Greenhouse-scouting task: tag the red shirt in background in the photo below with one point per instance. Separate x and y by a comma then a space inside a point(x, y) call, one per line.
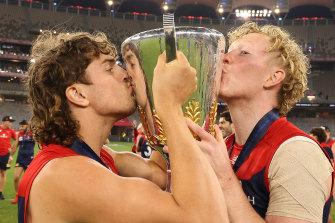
point(5, 138)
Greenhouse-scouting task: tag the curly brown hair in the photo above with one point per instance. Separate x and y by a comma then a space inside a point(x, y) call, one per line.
point(59, 61)
point(294, 61)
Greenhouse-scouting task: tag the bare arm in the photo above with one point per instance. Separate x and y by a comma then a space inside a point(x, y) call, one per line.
point(239, 207)
point(14, 146)
point(98, 195)
point(131, 165)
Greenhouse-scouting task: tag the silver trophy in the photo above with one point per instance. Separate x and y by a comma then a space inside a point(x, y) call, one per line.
point(202, 46)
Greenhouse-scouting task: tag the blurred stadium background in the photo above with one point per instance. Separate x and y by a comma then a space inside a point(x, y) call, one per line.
point(311, 22)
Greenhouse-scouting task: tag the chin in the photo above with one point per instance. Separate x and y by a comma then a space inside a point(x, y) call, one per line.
point(132, 108)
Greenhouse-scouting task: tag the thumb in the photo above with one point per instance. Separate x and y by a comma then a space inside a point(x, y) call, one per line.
point(166, 149)
point(203, 135)
point(161, 61)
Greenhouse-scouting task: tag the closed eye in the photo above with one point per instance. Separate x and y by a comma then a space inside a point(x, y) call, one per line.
point(110, 68)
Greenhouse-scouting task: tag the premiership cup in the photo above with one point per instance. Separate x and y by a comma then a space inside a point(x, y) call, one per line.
point(203, 48)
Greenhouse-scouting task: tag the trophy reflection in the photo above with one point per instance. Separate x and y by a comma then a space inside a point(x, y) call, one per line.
point(203, 48)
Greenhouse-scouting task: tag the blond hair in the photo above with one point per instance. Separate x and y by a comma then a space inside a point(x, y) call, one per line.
point(294, 61)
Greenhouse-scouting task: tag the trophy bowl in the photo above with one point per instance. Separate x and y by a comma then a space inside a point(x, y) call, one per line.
point(203, 47)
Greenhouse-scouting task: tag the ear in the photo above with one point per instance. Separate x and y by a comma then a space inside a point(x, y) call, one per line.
point(275, 78)
point(75, 94)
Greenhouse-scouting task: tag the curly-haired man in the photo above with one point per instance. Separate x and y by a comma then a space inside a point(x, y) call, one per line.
point(273, 172)
point(77, 93)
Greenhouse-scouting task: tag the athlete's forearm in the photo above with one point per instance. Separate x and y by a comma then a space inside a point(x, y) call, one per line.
point(189, 168)
point(14, 147)
point(158, 160)
point(238, 204)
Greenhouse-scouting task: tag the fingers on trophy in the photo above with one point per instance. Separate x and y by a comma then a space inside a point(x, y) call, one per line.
point(194, 73)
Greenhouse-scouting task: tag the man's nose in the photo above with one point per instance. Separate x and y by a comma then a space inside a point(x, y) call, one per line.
point(226, 58)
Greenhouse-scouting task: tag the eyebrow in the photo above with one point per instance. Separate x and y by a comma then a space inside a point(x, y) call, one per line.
point(112, 61)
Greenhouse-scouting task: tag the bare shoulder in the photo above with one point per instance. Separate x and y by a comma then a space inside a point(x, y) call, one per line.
point(65, 183)
point(79, 189)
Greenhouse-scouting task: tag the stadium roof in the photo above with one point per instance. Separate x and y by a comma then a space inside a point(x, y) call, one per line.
point(206, 8)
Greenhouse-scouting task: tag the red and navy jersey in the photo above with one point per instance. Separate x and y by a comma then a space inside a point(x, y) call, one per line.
point(146, 150)
point(47, 154)
point(329, 143)
point(5, 137)
point(253, 173)
point(328, 150)
point(26, 144)
point(135, 140)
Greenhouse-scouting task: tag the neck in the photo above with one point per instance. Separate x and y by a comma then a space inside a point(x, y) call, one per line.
point(94, 129)
point(245, 116)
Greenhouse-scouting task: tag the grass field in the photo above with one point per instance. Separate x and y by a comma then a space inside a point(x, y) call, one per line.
point(8, 211)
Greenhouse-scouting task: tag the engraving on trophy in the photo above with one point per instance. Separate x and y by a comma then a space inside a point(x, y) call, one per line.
point(161, 136)
point(193, 112)
point(212, 117)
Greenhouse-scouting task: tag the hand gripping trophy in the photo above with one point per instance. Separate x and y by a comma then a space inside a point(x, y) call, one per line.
point(202, 46)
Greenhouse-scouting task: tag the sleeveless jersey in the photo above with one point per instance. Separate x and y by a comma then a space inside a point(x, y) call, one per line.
point(253, 173)
point(26, 144)
point(47, 154)
point(328, 150)
point(5, 137)
point(329, 143)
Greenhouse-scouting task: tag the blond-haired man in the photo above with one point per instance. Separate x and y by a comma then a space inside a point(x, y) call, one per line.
point(273, 172)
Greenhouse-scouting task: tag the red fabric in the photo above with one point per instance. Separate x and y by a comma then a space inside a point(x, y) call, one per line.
point(47, 154)
point(330, 143)
point(135, 140)
point(261, 156)
point(235, 153)
point(123, 122)
point(5, 138)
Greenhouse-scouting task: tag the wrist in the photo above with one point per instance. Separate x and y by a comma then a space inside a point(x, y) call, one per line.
point(228, 179)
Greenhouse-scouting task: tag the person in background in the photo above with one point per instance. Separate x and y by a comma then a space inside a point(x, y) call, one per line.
point(142, 145)
point(225, 124)
point(133, 149)
point(25, 154)
point(320, 135)
point(6, 134)
point(329, 141)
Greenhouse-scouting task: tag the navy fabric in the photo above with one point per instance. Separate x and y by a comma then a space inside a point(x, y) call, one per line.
point(24, 161)
point(145, 148)
point(256, 135)
point(26, 144)
point(20, 203)
point(26, 150)
point(329, 152)
point(4, 161)
point(82, 148)
point(257, 193)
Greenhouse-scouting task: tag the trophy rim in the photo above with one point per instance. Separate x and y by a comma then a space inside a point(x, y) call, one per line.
point(180, 31)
